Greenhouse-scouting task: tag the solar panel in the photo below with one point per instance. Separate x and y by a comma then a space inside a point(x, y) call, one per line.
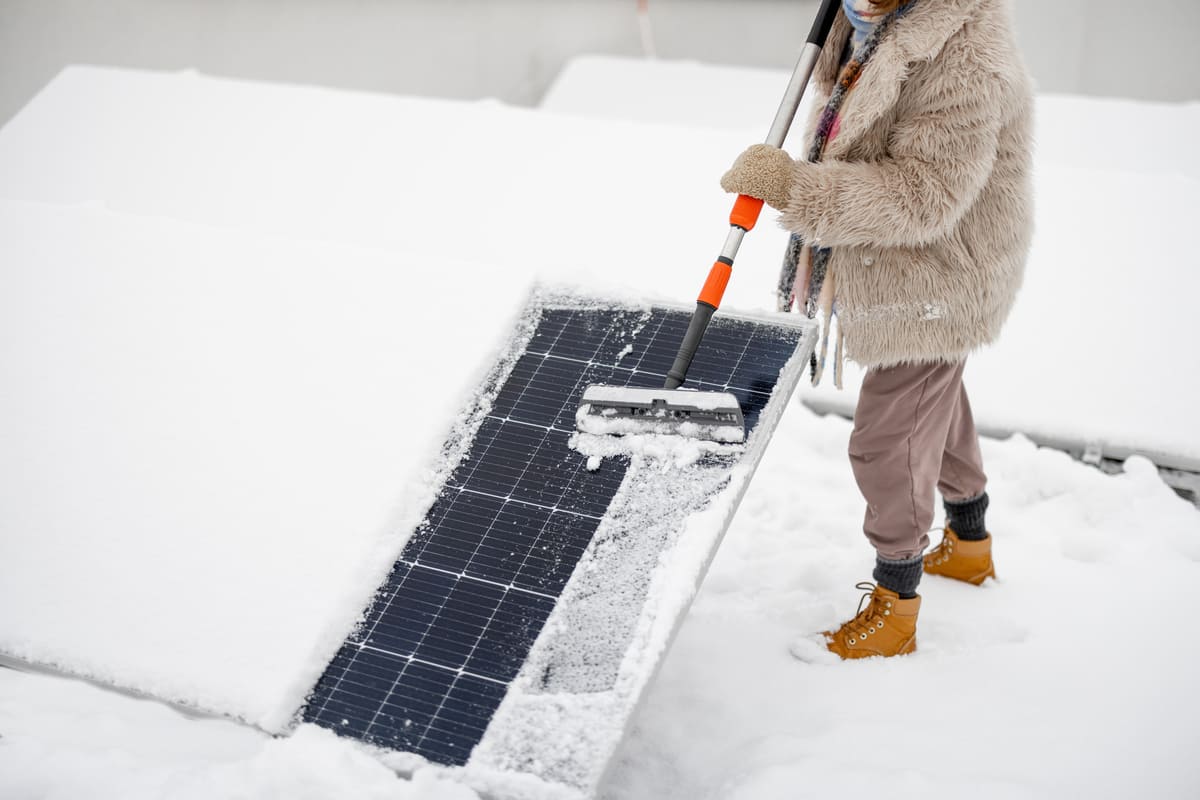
point(455, 622)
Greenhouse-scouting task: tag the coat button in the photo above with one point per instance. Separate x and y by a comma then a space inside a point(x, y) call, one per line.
point(868, 261)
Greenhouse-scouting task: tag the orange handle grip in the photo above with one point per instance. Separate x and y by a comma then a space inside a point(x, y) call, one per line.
point(745, 212)
point(714, 287)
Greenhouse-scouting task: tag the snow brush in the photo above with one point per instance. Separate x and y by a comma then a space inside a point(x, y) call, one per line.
point(714, 416)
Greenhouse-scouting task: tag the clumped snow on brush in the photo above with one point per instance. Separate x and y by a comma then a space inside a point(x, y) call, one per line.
point(666, 450)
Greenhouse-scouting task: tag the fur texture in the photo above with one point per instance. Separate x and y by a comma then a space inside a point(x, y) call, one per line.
point(924, 196)
point(764, 172)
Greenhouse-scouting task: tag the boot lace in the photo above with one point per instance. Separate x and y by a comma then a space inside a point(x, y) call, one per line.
point(867, 621)
point(943, 552)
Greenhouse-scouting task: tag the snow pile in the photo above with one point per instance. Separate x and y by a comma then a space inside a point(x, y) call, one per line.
point(1072, 673)
point(62, 738)
point(236, 322)
point(1053, 680)
point(212, 450)
point(229, 361)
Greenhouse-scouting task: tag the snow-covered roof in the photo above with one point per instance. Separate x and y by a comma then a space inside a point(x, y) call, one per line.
point(214, 298)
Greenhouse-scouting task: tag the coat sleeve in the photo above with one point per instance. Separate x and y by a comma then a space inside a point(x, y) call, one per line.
point(940, 157)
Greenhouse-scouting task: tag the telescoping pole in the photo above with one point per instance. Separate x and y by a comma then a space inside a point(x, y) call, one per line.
point(747, 209)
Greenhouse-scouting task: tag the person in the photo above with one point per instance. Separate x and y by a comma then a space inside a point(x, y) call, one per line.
point(914, 207)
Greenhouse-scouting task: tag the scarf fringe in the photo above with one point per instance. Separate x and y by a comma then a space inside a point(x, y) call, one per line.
point(806, 275)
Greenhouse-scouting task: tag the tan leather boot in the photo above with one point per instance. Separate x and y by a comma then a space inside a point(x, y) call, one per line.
point(962, 561)
point(886, 627)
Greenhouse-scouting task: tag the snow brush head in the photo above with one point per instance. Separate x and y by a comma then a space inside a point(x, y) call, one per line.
point(622, 410)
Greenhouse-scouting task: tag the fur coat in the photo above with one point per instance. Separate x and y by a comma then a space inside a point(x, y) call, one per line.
point(924, 196)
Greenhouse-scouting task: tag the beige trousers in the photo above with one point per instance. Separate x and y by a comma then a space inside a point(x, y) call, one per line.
point(913, 432)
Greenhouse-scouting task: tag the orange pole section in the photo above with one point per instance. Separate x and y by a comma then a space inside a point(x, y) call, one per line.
point(714, 287)
point(745, 212)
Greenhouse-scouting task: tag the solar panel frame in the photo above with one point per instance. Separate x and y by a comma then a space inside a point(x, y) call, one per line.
point(532, 339)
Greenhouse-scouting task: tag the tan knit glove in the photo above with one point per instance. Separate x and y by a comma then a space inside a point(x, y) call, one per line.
point(764, 172)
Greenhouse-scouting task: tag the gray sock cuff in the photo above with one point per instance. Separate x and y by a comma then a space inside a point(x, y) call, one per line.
point(966, 517)
point(900, 577)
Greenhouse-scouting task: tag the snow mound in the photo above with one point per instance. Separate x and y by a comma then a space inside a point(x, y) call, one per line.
point(1048, 673)
point(228, 363)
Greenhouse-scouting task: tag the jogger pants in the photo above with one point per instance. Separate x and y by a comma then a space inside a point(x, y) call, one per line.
point(913, 432)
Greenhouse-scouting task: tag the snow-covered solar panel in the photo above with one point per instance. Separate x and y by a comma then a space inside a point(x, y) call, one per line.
point(501, 547)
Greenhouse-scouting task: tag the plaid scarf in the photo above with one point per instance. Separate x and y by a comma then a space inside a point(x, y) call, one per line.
point(813, 282)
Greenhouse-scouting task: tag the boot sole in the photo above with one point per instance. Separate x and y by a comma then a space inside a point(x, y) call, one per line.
point(974, 580)
point(908, 648)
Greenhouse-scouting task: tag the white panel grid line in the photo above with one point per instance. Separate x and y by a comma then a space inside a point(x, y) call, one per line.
point(482, 539)
point(530, 503)
point(392, 598)
point(511, 421)
point(477, 579)
point(402, 673)
point(471, 558)
point(466, 660)
point(350, 682)
point(543, 440)
point(556, 509)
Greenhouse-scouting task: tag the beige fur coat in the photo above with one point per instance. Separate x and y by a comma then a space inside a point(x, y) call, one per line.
point(924, 195)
